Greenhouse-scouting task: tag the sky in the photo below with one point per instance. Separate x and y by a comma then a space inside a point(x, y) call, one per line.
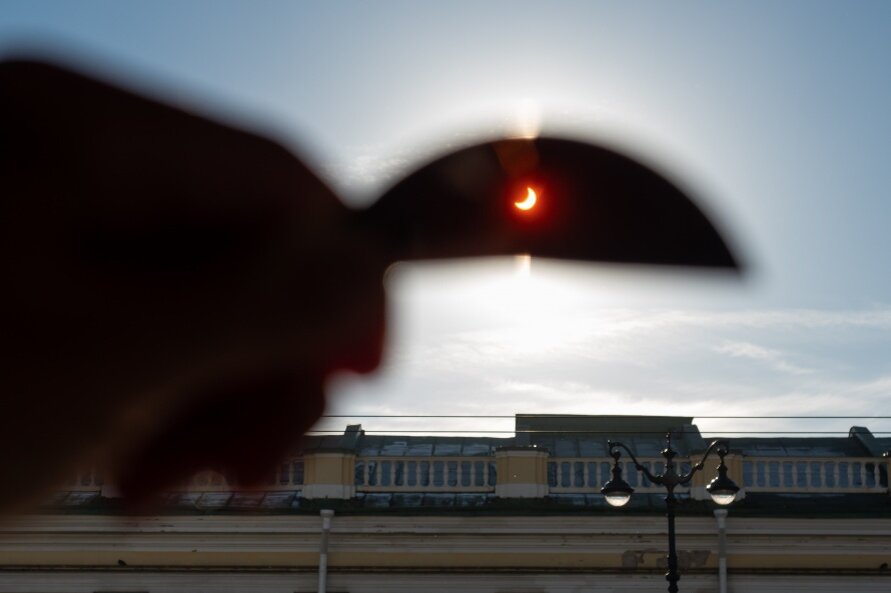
point(776, 114)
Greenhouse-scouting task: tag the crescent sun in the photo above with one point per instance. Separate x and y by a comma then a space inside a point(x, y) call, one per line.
point(530, 200)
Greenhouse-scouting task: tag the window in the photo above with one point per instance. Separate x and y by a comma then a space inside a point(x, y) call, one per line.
point(631, 474)
point(565, 481)
point(773, 472)
point(297, 475)
point(829, 474)
point(816, 474)
point(465, 473)
point(788, 474)
point(424, 468)
point(870, 475)
point(284, 473)
point(360, 473)
point(843, 478)
point(412, 473)
point(578, 474)
point(801, 474)
point(372, 473)
point(748, 474)
point(856, 477)
point(760, 478)
point(605, 472)
point(493, 473)
point(438, 473)
point(453, 473)
point(479, 473)
point(385, 472)
point(592, 473)
point(399, 473)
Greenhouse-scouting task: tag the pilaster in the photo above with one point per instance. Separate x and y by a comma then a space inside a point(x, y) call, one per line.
point(329, 474)
point(522, 472)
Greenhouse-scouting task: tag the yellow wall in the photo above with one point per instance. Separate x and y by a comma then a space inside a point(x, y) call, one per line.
point(329, 468)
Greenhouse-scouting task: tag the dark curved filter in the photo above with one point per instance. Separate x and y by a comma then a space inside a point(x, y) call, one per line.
point(592, 204)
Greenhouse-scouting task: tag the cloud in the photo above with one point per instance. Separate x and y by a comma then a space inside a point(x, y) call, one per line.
point(773, 358)
point(576, 357)
point(625, 320)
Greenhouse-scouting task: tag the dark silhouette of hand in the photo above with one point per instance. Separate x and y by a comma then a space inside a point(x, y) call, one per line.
point(175, 291)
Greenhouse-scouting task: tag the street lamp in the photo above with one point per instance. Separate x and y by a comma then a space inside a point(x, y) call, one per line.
point(618, 492)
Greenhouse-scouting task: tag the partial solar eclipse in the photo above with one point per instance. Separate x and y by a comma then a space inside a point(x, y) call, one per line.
point(529, 202)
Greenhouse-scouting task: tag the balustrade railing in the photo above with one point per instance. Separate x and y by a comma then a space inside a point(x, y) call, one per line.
point(816, 475)
point(425, 474)
point(571, 475)
point(564, 475)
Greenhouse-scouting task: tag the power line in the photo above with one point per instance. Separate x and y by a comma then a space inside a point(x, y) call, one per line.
point(580, 416)
point(604, 432)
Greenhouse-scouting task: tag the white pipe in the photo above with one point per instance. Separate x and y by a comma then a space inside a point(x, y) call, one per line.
point(327, 514)
point(721, 516)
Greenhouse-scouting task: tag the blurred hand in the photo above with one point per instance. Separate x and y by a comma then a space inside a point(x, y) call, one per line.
point(175, 291)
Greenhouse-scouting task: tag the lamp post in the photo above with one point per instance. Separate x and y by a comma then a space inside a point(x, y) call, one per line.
point(618, 492)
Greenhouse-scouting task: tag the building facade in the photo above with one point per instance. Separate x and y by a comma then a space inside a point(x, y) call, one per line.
point(518, 514)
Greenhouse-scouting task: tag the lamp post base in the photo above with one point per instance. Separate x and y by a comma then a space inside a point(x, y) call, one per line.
point(672, 582)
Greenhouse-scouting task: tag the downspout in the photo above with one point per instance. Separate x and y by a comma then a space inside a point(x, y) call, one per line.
point(323, 549)
point(721, 516)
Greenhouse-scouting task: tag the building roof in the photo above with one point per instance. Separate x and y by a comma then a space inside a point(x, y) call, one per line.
point(819, 446)
point(586, 436)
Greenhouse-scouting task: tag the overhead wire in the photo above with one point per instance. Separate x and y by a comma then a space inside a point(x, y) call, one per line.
point(605, 432)
point(564, 431)
point(582, 416)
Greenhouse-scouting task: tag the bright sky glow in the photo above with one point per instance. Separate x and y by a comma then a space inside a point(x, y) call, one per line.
point(775, 113)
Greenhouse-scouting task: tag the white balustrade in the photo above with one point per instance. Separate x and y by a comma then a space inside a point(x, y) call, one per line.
point(565, 475)
point(815, 474)
point(577, 475)
point(425, 474)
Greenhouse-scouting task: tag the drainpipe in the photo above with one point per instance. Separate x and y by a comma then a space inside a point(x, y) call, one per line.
point(323, 549)
point(721, 516)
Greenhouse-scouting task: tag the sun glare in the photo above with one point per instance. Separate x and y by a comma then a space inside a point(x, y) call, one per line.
point(529, 202)
point(522, 266)
point(528, 119)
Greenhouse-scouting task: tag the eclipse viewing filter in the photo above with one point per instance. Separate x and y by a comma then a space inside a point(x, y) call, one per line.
point(546, 197)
